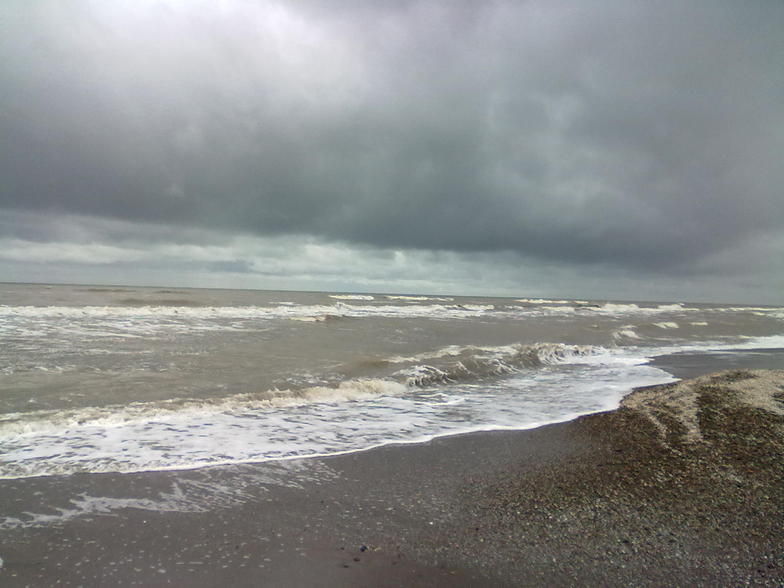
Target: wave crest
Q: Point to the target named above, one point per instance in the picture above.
(482, 362)
(52, 421)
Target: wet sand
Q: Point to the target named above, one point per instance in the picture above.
(683, 485)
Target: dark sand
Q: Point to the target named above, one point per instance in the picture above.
(680, 486)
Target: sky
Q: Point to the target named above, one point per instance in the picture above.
(590, 149)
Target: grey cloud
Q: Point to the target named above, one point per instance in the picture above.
(639, 135)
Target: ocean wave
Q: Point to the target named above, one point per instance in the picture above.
(418, 298)
(474, 363)
(612, 307)
(284, 310)
(673, 306)
(464, 363)
(211, 434)
(764, 342)
(53, 421)
(471, 362)
(625, 332)
(140, 314)
(320, 318)
(764, 309)
(19, 368)
(776, 313)
(548, 301)
(176, 302)
(447, 351)
(113, 322)
(352, 296)
(666, 325)
(727, 344)
(632, 308)
(584, 308)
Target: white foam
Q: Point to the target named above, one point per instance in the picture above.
(448, 351)
(620, 309)
(737, 343)
(666, 325)
(763, 309)
(542, 307)
(86, 505)
(45, 422)
(145, 320)
(480, 363)
(767, 342)
(544, 352)
(418, 298)
(134, 322)
(625, 332)
(511, 386)
(550, 301)
(63, 325)
(476, 307)
(349, 417)
(198, 492)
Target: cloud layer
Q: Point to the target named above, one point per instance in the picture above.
(641, 137)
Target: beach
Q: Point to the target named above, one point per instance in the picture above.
(380, 294)
(391, 294)
(634, 496)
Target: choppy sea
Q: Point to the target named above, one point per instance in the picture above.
(126, 379)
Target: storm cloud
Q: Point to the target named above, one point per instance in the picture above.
(638, 139)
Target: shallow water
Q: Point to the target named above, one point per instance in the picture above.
(121, 379)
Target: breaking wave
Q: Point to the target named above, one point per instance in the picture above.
(281, 310)
(472, 363)
(418, 298)
(352, 296)
(175, 302)
(52, 421)
(464, 364)
(625, 333)
(547, 301)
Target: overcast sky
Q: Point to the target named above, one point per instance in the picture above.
(587, 148)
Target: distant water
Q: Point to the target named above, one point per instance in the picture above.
(123, 379)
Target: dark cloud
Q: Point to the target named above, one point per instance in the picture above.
(640, 135)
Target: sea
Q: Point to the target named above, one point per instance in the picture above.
(97, 379)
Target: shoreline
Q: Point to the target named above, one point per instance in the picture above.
(608, 498)
(679, 365)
